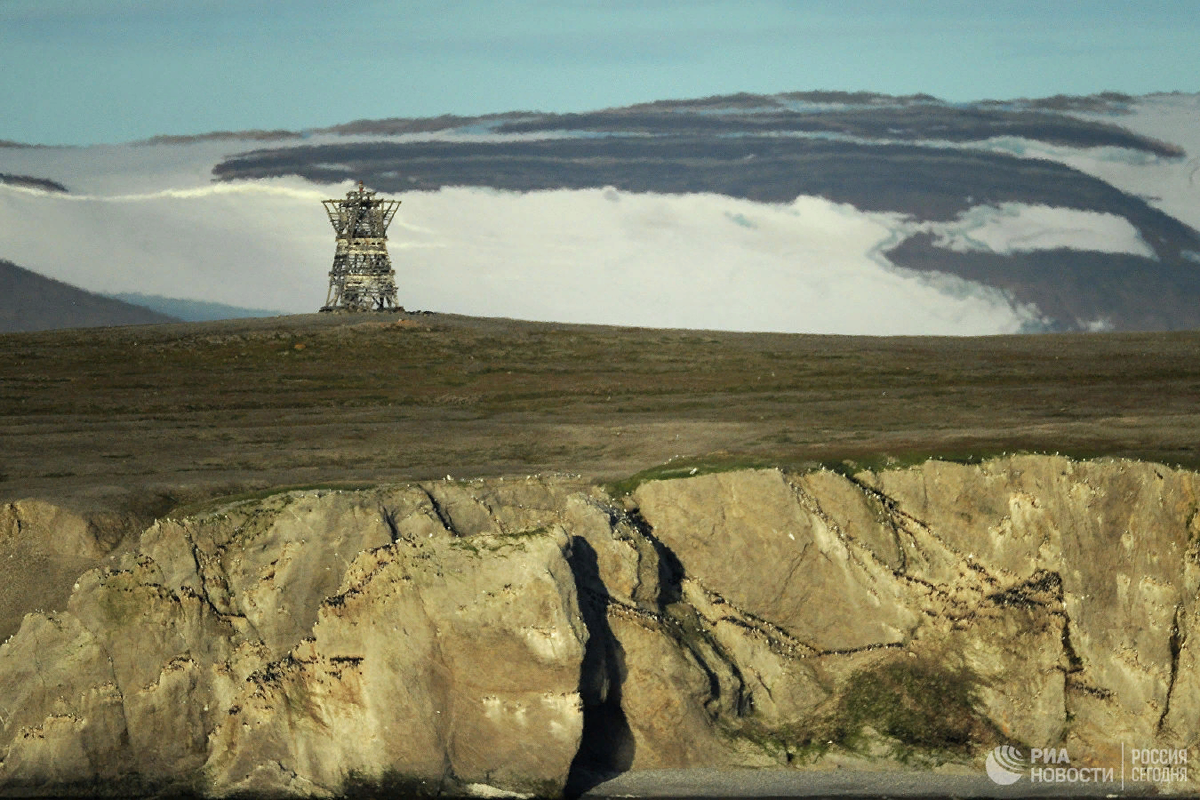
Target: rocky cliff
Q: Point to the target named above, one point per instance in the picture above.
(528, 636)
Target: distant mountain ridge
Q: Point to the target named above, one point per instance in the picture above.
(31, 302)
(192, 310)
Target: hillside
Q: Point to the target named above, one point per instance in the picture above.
(31, 302)
(191, 310)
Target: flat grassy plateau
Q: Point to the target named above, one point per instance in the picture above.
(160, 415)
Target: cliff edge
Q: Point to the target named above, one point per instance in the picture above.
(535, 636)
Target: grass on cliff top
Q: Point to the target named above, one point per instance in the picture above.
(200, 409)
(695, 466)
(688, 467)
(217, 502)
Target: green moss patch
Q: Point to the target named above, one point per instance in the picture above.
(392, 783)
(921, 704)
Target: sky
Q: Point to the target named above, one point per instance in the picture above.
(106, 71)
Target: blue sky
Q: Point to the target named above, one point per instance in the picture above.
(90, 71)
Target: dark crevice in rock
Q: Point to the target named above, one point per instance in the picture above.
(889, 521)
(645, 618)
(899, 521)
(982, 572)
(356, 589)
(866, 648)
(389, 519)
(1176, 645)
(778, 639)
(606, 747)
(670, 568)
(1074, 669)
(1092, 691)
(811, 504)
(685, 624)
(273, 672)
(1074, 662)
(201, 560)
(786, 649)
(691, 631)
(1041, 590)
(448, 778)
(442, 514)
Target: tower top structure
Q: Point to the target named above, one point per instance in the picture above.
(362, 278)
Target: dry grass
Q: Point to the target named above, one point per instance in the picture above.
(186, 411)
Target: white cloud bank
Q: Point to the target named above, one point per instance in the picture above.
(247, 244)
(1017, 227)
(694, 261)
(147, 218)
(1171, 185)
(602, 256)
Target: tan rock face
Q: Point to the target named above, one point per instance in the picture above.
(1065, 588)
(1117, 536)
(43, 548)
(294, 644)
(765, 545)
(443, 658)
(520, 635)
(63, 718)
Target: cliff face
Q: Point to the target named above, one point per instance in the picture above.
(515, 634)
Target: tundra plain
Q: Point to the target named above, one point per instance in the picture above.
(147, 418)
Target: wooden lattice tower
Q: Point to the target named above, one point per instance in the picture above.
(362, 278)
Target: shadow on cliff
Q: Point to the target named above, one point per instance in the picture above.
(607, 745)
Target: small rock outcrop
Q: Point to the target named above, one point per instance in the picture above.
(532, 636)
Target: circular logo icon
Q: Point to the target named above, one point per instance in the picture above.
(1005, 765)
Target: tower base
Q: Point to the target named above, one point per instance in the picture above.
(360, 310)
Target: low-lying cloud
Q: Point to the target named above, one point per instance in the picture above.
(1017, 227)
(252, 244)
(599, 256)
